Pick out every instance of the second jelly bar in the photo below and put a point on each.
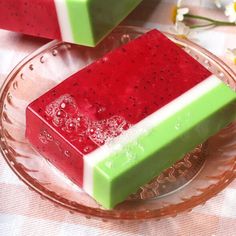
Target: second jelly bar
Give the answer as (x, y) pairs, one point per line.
(84, 22)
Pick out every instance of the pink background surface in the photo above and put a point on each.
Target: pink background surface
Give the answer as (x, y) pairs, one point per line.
(23, 212)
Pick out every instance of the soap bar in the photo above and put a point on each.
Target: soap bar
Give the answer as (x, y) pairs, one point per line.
(84, 22)
(121, 121)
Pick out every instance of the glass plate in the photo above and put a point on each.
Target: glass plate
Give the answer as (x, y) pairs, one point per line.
(197, 177)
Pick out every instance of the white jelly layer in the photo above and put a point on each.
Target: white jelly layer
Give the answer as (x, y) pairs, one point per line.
(64, 20)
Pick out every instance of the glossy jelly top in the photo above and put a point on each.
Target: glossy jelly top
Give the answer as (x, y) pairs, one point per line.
(117, 91)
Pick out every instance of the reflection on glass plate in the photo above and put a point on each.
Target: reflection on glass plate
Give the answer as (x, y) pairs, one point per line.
(193, 180)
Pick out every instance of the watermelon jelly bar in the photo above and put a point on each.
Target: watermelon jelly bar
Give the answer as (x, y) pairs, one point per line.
(83, 22)
(122, 120)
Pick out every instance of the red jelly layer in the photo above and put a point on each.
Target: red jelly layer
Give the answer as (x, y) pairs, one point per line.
(107, 97)
(23, 16)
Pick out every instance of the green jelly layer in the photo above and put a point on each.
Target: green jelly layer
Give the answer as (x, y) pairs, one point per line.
(121, 174)
(92, 20)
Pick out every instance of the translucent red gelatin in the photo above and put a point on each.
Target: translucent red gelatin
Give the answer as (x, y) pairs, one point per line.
(107, 97)
(23, 16)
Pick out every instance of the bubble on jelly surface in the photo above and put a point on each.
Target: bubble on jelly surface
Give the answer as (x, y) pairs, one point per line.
(126, 126)
(61, 114)
(108, 164)
(43, 139)
(91, 131)
(178, 126)
(139, 146)
(58, 121)
(80, 138)
(65, 102)
(87, 149)
(67, 153)
(130, 155)
(104, 131)
(49, 137)
(58, 145)
(101, 109)
(63, 105)
(71, 125)
(82, 124)
(49, 110)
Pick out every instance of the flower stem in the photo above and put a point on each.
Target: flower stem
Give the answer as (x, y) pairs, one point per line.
(224, 23)
(201, 26)
(213, 22)
(199, 17)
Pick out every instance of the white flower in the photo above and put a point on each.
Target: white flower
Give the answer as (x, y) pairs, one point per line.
(230, 11)
(178, 16)
(218, 3)
(181, 29)
(181, 12)
(179, 3)
(231, 54)
(221, 3)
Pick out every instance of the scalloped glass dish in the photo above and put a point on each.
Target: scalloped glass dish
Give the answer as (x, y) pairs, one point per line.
(196, 178)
